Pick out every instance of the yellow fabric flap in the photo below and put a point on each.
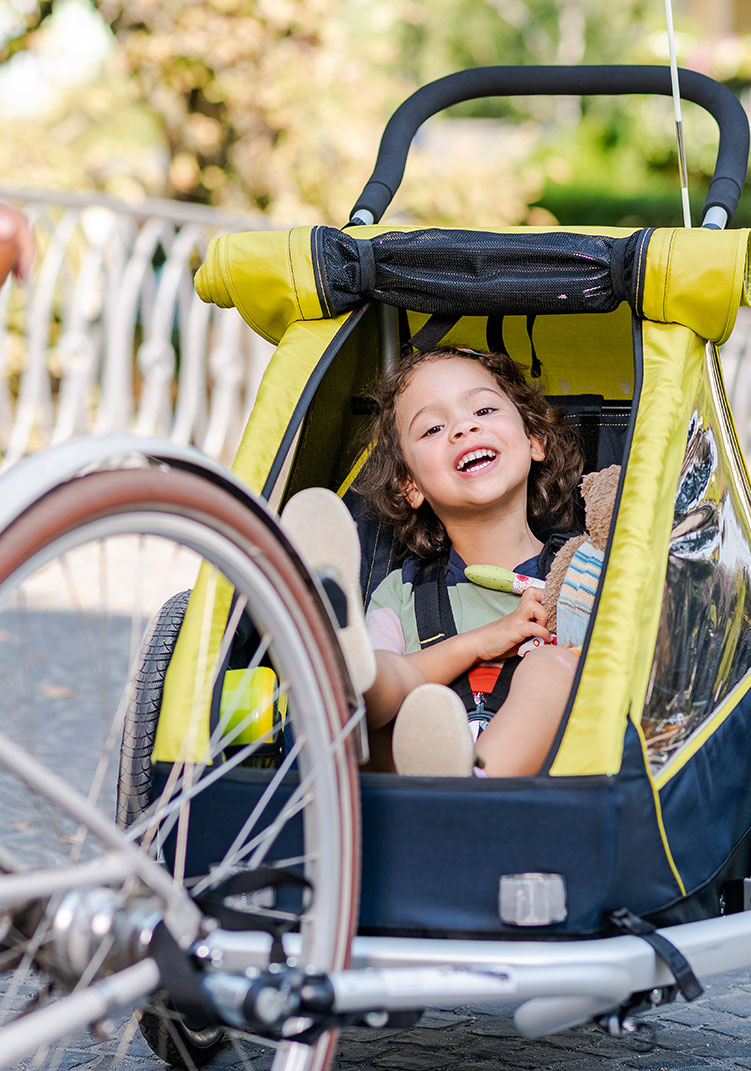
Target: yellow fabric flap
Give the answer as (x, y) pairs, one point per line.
(267, 275)
(697, 278)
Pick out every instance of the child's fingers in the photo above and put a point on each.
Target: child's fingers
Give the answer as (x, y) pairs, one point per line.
(531, 595)
(537, 628)
(533, 610)
(533, 630)
(529, 627)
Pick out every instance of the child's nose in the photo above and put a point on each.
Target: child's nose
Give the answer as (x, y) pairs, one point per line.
(464, 426)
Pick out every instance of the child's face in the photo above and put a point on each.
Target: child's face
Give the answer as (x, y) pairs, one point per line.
(463, 440)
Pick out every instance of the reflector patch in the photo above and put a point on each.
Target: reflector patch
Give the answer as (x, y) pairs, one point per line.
(532, 899)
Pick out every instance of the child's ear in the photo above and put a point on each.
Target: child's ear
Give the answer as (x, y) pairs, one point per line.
(537, 449)
(414, 495)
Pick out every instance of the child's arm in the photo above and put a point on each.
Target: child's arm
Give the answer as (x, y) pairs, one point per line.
(445, 661)
(442, 663)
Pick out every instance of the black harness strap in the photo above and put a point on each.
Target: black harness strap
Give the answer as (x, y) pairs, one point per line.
(591, 421)
(672, 957)
(435, 619)
(494, 335)
(497, 697)
(536, 369)
(435, 622)
(553, 544)
(432, 332)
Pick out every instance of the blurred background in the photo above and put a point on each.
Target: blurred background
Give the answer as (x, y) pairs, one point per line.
(277, 106)
(133, 130)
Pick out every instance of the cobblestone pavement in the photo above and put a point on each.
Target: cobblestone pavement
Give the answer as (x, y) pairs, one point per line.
(713, 1032)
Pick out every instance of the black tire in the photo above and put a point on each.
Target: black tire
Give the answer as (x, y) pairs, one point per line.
(172, 1041)
(166, 1034)
(134, 792)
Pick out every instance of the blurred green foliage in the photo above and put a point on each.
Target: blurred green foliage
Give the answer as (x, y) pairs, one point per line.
(278, 105)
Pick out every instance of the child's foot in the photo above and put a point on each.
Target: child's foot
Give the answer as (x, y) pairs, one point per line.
(431, 734)
(320, 526)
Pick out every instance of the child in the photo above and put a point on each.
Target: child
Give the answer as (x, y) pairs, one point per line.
(468, 455)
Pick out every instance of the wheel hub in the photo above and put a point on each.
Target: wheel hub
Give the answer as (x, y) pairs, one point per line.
(100, 929)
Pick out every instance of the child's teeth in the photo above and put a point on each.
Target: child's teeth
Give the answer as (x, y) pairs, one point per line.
(484, 455)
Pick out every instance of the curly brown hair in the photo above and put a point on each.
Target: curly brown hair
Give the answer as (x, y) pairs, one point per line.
(385, 475)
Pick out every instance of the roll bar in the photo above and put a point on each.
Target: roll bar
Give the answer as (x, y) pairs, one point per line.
(732, 152)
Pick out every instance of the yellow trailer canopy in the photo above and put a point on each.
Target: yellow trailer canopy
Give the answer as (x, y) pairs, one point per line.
(696, 278)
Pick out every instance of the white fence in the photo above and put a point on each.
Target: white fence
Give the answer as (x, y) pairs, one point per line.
(110, 335)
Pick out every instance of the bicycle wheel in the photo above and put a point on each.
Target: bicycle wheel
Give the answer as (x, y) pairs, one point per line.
(81, 573)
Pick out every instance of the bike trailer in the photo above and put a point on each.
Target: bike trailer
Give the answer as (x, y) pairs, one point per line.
(643, 802)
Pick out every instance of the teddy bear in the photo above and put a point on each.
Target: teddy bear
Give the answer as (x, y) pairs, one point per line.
(571, 584)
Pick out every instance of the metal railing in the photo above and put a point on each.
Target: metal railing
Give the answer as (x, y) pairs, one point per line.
(109, 335)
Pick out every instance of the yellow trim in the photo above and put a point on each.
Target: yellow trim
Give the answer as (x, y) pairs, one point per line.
(658, 812)
(354, 472)
(697, 741)
(280, 391)
(727, 428)
(266, 275)
(616, 670)
(303, 278)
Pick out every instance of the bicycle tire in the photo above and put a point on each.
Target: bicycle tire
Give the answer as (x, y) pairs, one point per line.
(134, 792)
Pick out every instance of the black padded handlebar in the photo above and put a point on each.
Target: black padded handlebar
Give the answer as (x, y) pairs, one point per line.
(732, 153)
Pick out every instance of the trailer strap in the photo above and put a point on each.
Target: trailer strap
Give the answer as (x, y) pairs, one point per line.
(181, 978)
(218, 903)
(687, 982)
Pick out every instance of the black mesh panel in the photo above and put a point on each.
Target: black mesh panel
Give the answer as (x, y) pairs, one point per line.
(477, 272)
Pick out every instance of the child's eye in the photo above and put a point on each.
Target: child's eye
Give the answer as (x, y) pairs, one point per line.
(432, 431)
(485, 410)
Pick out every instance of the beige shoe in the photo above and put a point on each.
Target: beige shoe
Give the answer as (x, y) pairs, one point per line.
(321, 528)
(432, 736)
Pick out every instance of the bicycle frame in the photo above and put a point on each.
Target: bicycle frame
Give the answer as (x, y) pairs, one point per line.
(558, 984)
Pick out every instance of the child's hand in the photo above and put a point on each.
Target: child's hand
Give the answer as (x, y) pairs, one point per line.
(501, 638)
(16, 244)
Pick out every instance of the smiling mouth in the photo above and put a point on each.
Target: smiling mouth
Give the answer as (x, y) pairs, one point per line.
(476, 460)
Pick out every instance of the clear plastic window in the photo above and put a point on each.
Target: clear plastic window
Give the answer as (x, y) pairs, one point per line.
(704, 641)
